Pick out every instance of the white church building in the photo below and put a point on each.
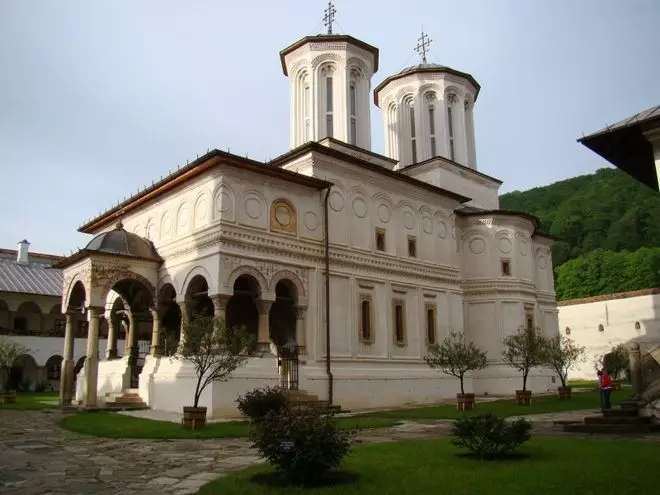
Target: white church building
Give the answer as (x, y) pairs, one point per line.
(364, 259)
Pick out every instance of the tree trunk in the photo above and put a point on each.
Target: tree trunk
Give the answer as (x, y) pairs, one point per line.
(462, 391)
(525, 380)
(198, 392)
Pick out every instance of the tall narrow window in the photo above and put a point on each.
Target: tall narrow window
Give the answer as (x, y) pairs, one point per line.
(353, 108)
(365, 319)
(450, 128)
(413, 137)
(430, 325)
(328, 106)
(399, 323)
(432, 129)
(380, 240)
(306, 113)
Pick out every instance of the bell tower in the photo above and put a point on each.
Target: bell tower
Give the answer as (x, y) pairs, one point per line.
(330, 78)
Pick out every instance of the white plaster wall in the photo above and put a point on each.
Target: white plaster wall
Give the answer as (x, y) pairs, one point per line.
(619, 318)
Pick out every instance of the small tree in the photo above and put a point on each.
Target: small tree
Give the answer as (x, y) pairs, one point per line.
(524, 351)
(617, 361)
(560, 354)
(9, 352)
(214, 350)
(456, 357)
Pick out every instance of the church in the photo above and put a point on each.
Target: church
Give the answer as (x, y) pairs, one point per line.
(362, 259)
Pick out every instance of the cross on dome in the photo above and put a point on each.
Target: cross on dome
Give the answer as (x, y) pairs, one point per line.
(329, 16)
(423, 44)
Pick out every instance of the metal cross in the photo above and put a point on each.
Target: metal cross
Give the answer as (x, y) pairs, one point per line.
(329, 16)
(423, 45)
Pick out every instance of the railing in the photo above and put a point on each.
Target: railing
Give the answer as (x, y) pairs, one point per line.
(287, 361)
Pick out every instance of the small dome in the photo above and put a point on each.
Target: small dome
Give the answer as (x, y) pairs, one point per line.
(423, 66)
(122, 243)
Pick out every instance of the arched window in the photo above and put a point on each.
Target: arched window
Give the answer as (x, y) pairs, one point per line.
(469, 125)
(329, 103)
(392, 130)
(567, 331)
(353, 105)
(430, 106)
(306, 116)
(413, 133)
(601, 328)
(451, 100)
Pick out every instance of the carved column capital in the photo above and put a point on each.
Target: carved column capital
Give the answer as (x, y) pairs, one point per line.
(264, 306)
(301, 312)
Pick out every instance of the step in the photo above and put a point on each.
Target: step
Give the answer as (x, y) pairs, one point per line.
(617, 420)
(620, 412)
(619, 429)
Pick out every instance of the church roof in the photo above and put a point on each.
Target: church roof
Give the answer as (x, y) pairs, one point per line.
(329, 38)
(34, 277)
(121, 243)
(427, 68)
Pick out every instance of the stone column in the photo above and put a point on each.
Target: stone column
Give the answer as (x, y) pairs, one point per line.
(301, 340)
(220, 305)
(636, 377)
(92, 359)
(111, 348)
(263, 337)
(130, 335)
(185, 318)
(156, 346)
(66, 377)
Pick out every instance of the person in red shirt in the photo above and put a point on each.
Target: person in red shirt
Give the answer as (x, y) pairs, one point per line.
(606, 385)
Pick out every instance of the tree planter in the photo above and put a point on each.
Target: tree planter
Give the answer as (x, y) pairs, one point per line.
(523, 397)
(465, 402)
(194, 417)
(8, 397)
(564, 393)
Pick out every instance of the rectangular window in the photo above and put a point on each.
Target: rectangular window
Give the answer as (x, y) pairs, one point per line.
(430, 325)
(54, 372)
(353, 131)
(413, 138)
(412, 246)
(353, 110)
(365, 318)
(20, 324)
(450, 127)
(399, 323)
(506, 268)
(432, 128)
(380, 240)
(329, 106)
(59, 327)
(353, 97)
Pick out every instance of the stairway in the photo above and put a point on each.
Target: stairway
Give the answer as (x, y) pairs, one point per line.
(127, 400)
(623, 420)
(301, 399)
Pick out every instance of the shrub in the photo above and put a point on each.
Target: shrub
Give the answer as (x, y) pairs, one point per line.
(302, 444)
(260, 401)
(488, 436)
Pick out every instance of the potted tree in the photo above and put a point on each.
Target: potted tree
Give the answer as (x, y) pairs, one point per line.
(524, 351)
(215, 353)
(561, 353)
(617, 362)
(456, 357)
(9, 352)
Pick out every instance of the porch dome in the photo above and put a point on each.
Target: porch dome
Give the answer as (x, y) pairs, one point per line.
(121, 243)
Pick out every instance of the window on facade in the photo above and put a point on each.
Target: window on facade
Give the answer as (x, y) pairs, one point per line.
(412, 246)
(601, 328)
(506, 268)
(81, 331)
(306, 113)
(413, 137)
(59, 327)
(365, 320)
(430, 325)
(380, 240)
(567, 331)
(328, 106)
(399, 323)
(53, 372)
(353, 110)
(450, 128)
(530, 323)
(432, 129)
(20, 324)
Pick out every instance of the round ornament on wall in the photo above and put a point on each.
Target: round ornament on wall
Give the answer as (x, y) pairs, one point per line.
(201, 209)
(543, 262)
(383, 213)
(166, 225)
(359, 207)
(442, 230)
(523, 246)
(311, 221)
(253, 208)
(336, 201)
(223, 202)
(477, 245)
(408, 220)
(505, 245)
(283, 215)
(427, 225)
(183, 217)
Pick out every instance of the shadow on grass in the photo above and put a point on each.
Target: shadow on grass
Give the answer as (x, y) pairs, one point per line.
(335, 477)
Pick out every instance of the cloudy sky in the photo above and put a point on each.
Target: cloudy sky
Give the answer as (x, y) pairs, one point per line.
(99, 98)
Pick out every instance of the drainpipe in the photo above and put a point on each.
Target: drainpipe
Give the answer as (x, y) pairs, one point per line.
(326, 242)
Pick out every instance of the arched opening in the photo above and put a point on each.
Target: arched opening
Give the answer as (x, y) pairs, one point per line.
(77, 298)
(23, 374)
(4, 316)
(54, 370)
(79, 365)
(198, 301)
(27, 319)
(283, 314)
(56, 327)
(170, 323)
(242, 306)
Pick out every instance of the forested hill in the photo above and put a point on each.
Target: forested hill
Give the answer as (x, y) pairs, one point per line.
(597, 216)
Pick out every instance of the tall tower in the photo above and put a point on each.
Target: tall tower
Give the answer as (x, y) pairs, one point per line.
(330, 78)
(428, 112)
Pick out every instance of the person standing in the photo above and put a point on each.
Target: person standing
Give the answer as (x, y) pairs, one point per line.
(605, 382)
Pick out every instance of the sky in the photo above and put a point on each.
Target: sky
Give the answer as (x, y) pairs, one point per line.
(100, 98)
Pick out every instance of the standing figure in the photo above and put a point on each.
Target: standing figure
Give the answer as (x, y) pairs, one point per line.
(605, 383)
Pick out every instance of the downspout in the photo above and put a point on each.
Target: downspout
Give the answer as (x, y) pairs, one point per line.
(326, 242)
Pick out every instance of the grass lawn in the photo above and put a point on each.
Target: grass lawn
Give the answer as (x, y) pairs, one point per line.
(112, 425)
(542, 404)
(554, 465)
(31, 401)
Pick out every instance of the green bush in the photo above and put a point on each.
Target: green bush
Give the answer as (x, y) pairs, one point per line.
(261, 401)
(488, 436)
(302, 444)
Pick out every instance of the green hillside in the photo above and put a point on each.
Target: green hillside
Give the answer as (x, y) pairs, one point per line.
(609, 226)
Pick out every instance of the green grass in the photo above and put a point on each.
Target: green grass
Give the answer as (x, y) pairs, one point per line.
(554, 465)
(505, 408)
(583, 383)
(30, 401)
(113, 425)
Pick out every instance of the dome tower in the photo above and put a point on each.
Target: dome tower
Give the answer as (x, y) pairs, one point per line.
(428, 112)
(330, 78)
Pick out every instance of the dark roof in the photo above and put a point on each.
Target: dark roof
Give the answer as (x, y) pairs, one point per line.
(427, 68)
(623, 145)
(34, 277)
(610, 297)
(200, 165)
(314, 146)
(322, 38)
(121, 243)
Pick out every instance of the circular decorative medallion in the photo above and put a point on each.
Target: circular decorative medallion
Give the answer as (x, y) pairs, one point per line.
(166, 225)
(253, 208)
(201, 209)
(222, 202)
(359, 207)
(523, 246)
(383, 213)
(183, 217)
(408, 220)
(427, 225)
(477, 245)
(543, 262)
(283, 215)
(505, 245)
(311, 221)
(442, 230)
(336, 201)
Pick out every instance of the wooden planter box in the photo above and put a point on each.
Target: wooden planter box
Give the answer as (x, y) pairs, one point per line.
(564, 392)
(464, 402)
(523, 397)
(194, 418)
(8, 397)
